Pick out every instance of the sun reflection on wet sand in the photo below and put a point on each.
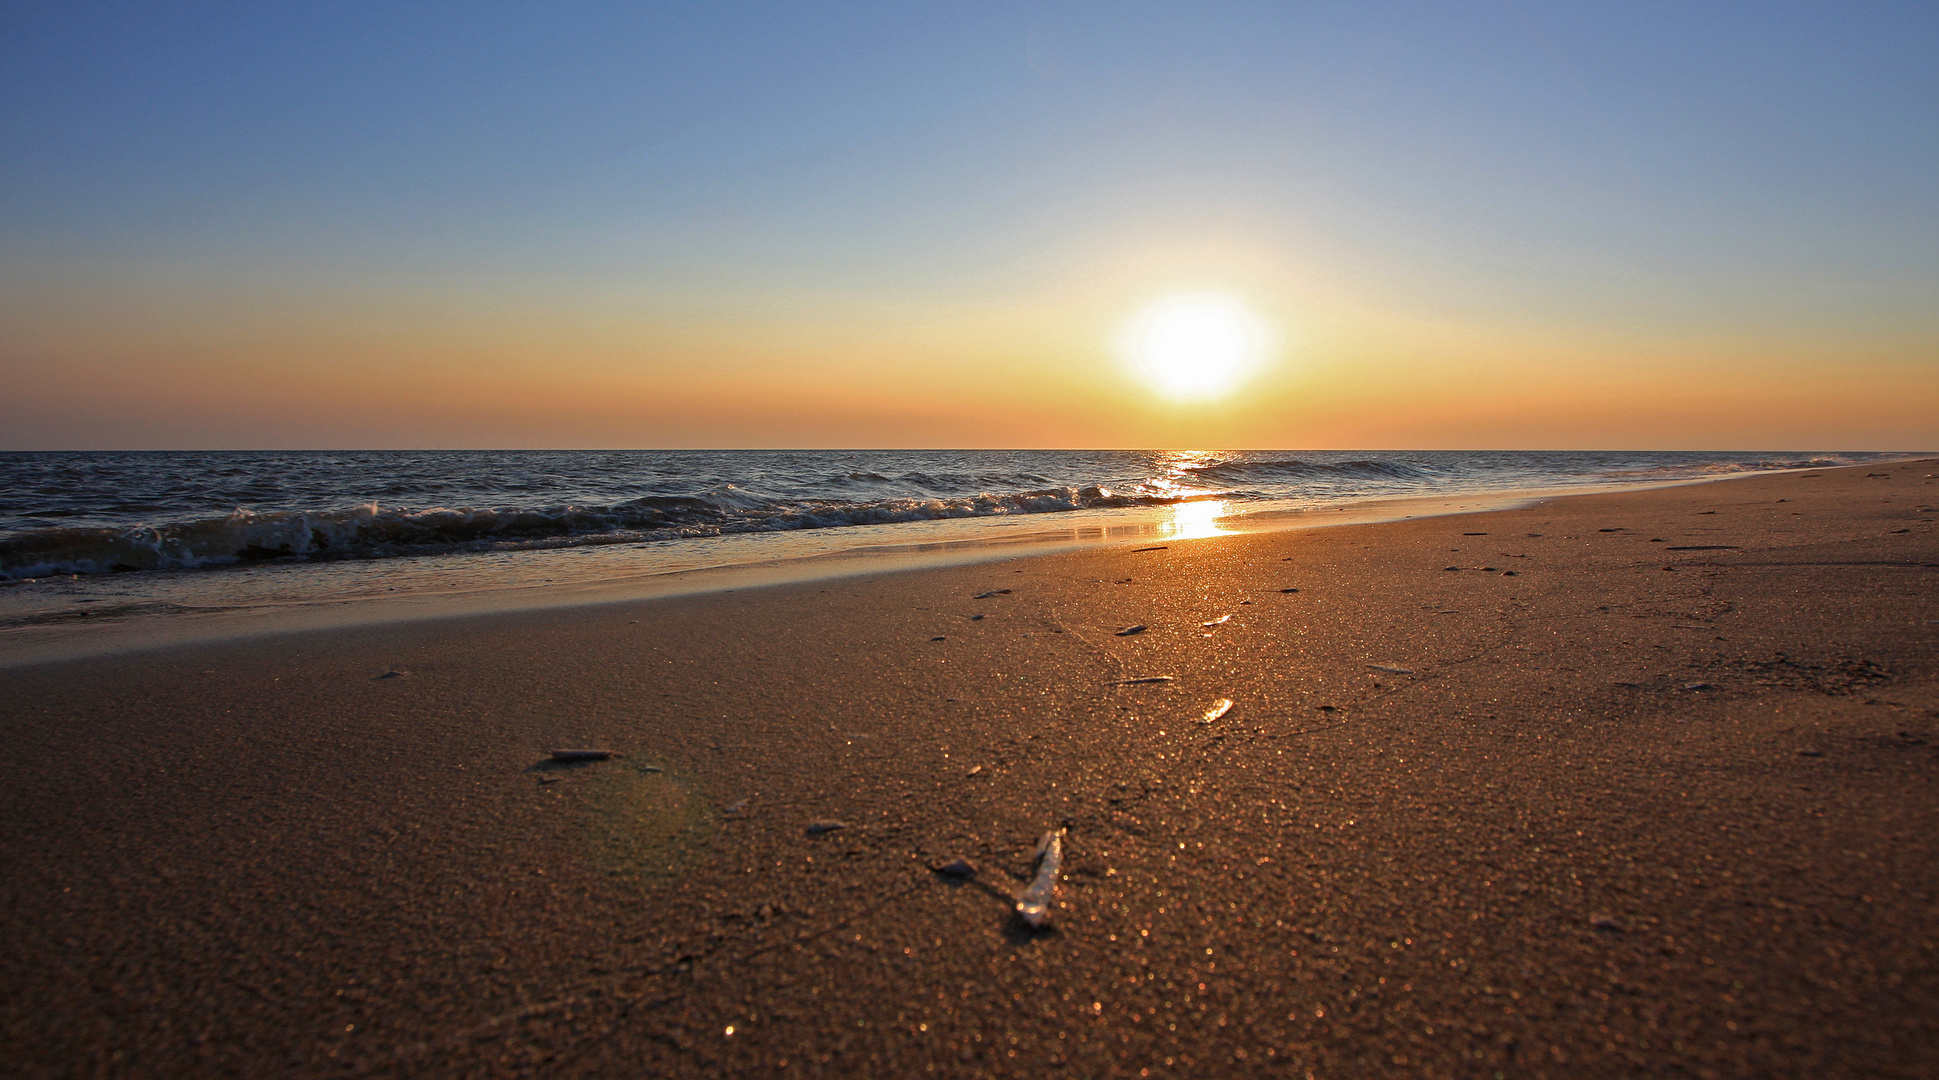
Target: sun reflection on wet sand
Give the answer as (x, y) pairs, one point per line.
(1192, 520)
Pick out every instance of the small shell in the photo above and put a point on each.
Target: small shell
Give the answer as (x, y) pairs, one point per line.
(1219, 708)
(1034, 904)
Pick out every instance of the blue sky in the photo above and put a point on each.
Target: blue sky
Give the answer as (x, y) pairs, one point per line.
(732, 180)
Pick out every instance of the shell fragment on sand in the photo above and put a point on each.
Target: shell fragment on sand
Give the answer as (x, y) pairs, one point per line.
(1392, 670)
(816, 828)
(987, 595)
(1130, 630)
(1220, 621)
(1146, 679)
(583, 755)
(1034, 905)
(1219, 708)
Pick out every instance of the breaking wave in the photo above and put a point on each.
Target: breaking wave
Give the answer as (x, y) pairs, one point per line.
(1239, 472)
(372, 532)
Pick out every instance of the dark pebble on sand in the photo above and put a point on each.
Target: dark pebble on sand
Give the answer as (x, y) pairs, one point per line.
(959, 869)
(816, 828)
(1289, 590)
(1811, 753)
(581, 755)
(938, 639)
(1607, 924)
(1130, 630)
(1450, 568)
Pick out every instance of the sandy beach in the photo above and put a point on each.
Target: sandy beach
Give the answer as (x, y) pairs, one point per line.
(1631, 784)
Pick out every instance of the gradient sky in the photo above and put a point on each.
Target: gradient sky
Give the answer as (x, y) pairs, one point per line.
(928, 224)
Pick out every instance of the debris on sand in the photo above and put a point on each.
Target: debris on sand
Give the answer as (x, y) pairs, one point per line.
(987, 595)
(394, 673)
(960, 869)
(1219, 708)
(1160, 547)
(1289, 590)
(1698, 686)
(1607, 924)
(1130, 630)
(1144, 680)
(939, 639)
(735, 808)
(975, 770)
(1220, 621)
(816, 828)
(1034, 905)
(583, 755)
(1392, 670)
(978, 617)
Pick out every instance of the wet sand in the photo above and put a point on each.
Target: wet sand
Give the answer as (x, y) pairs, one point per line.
(1636, 784)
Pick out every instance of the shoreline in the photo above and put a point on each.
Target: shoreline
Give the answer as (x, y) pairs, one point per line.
(1637, 784)
(191, 607)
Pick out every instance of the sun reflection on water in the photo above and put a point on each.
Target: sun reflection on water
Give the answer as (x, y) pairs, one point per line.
(1192, 520)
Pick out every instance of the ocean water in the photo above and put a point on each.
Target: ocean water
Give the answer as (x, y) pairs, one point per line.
(87, 538)
(98, 513)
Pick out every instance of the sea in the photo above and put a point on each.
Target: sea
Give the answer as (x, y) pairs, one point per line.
(93, 538)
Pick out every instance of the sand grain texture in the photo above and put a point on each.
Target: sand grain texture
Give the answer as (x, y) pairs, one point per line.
(1659, 803)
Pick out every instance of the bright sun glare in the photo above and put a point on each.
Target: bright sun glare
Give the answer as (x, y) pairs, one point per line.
(1197, 346)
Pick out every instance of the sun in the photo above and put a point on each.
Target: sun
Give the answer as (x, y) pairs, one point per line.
(1195, 346)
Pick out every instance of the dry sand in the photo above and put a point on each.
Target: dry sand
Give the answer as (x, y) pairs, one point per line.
(1654, 796)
